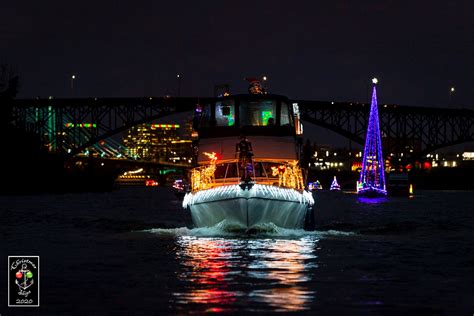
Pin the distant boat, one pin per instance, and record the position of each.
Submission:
(136, 178)
(180, 187)
(334, 185)
(398, 184)
(312, 186)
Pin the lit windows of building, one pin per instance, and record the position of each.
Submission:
(468, 155)
(158, 143)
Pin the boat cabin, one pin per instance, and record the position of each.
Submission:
(255, 130)
(247, 114)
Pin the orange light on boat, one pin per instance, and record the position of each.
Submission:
(212, 156)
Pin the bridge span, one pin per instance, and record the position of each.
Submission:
(424, 129)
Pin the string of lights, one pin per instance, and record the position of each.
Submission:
(372, 175)
(256, 191)
(289, 175)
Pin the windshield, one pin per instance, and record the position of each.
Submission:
(225, 113)
(285, 116)
(258, 113)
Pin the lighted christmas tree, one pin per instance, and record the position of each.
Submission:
(372, 175)
(334, 185)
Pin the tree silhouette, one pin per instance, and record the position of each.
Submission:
(9, 88)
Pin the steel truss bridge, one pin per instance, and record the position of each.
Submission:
(72, 125)
(421, 129)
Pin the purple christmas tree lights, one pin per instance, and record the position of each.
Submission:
(372, 175)
(334, 185)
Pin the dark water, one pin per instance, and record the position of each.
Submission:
(129, 252)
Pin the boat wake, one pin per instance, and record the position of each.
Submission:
(230, 229)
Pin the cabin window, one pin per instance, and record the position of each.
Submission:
(258, 113)
(225, 113)
(206, 116)
(284, 118)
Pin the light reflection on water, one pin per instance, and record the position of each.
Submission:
(217, 273)
(372, 200)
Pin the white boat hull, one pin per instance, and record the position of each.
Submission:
(259, 205)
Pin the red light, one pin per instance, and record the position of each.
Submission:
(151, 183)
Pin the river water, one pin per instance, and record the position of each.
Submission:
(132, 251)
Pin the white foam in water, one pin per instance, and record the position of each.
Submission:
(229, 229)
(336, 233)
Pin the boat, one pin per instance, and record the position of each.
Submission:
(151, 183)
(134, 178)
(247, 173)
(372, 176)
(334, 185)
(398, 184)
(313, 186)
(180, 187)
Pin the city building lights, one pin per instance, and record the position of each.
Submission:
(158, 142)
(468, 155)
(81, 125)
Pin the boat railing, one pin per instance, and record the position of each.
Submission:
(236, 180)
(287, 175)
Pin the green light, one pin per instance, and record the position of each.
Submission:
(86, 125)
(164, 126)
(51, 121)
(230, 118)
(265, 116)
(166, 171)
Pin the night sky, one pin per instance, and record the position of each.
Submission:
(308, 50)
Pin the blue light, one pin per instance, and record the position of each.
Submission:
(372, 175)
(373, 200)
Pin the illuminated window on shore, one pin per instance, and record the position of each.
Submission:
(468, 155)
